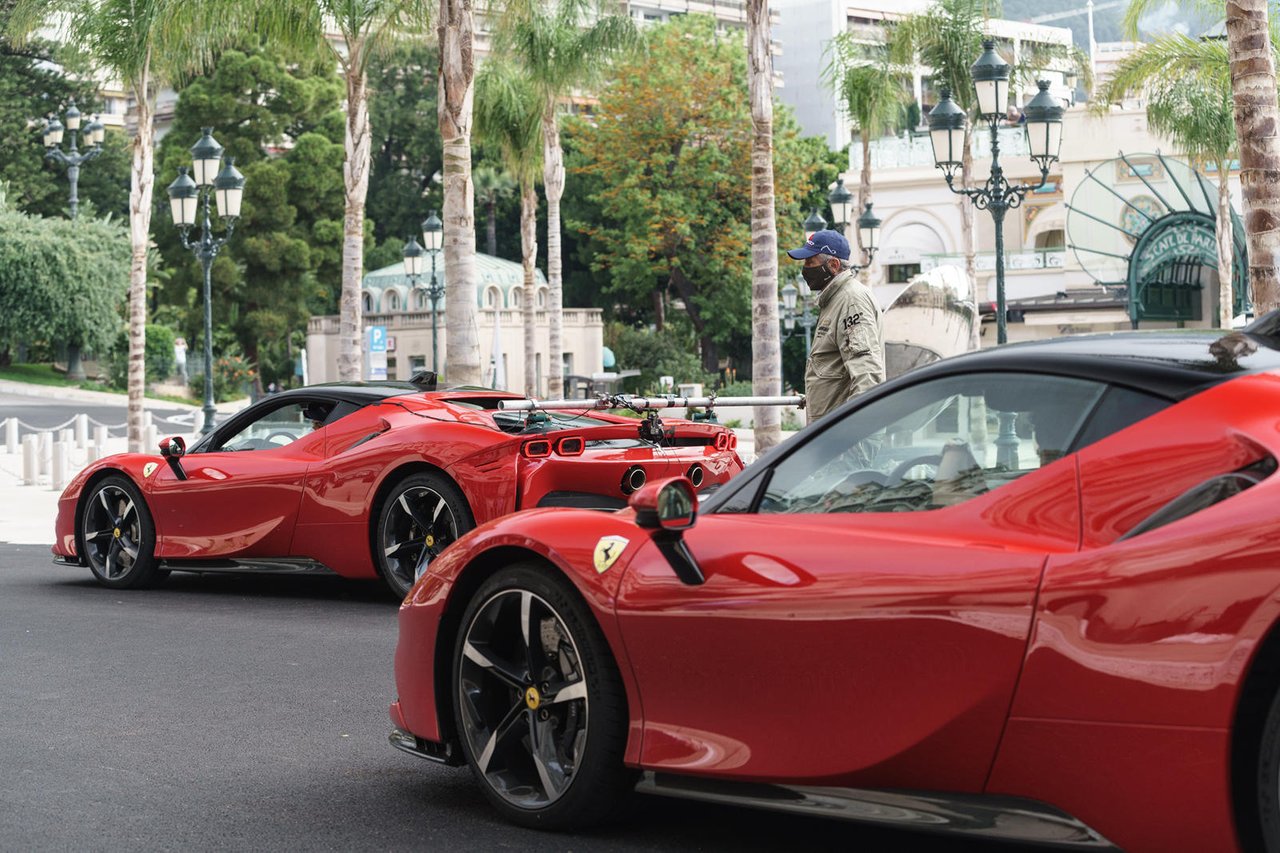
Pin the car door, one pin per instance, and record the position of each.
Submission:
(242, 493)
(866, 606)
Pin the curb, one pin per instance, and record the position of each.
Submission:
(106, 398)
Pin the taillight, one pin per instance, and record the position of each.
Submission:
(733, 441)
(571, 446)
(536, 449)
(722, 441)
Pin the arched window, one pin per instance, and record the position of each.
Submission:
(492, 298)
(421, 300)
(515, 296)
(1051, 238)
(542, 297)
(392, 300)
(366, 302)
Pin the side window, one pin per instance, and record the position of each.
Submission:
(1119, 408)
(934, 445)
(278, 427)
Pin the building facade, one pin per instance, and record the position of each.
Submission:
(405, 313)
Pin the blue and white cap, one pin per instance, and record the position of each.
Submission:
(823, 243)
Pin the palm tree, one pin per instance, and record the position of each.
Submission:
(457, 87)
(509, 114)
(872, 93)
(492, 186)
(562, 46)
(1251, 67)
(1188, 89)
(364, 28)
(766, 349)
(147, 44)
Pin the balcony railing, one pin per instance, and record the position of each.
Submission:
(1028, 259)
(916, 151)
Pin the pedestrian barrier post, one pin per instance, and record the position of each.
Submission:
(100, 437)
(46, 452)
(30, 459)
(11, 435)
(58, 477)
(82, 430)
(151, 440)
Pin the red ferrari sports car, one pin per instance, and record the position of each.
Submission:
(363, 480)
(1027, 593)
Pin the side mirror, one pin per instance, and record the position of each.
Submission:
(669, 507)
(173, 449)
(670, 504)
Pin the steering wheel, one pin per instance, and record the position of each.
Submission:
(288, 437)
(900, 472)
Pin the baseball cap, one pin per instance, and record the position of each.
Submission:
(823, 242)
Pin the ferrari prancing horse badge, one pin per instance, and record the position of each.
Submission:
(608, 550)
(149, 468)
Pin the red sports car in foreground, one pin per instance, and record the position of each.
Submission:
(363, 480)
(1028, 593)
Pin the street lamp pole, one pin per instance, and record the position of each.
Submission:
(185, 196)
(1044, 139)
(73, 159)
(433, 240)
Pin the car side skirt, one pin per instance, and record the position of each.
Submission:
(251, 565)
(972, 815)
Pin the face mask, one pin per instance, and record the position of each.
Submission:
(817, 277)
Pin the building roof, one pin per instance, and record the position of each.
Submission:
(490, 272)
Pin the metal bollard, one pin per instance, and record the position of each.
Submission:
(100, 437)
(11, 435)
(82, 431)
(30, 459)
(58, 474)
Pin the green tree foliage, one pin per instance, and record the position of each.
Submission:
(403, 83)
(61, 281)
(283, 124)
(670, 352)
(29, 90)
(666, 166)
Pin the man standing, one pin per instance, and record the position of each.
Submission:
(848, 352)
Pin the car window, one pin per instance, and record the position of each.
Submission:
(1119, 408)
(934, 445)
(278, 427)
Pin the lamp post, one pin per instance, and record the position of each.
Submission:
(433, 239)
(186, 195)
(74, 158)
(814, 224)
(790, 317)
(1044, 139)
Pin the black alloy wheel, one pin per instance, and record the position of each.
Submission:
(117, 535)
(539, 705)
(1267, 784)
(423, 515)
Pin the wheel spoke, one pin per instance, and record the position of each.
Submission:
(129, 547)
(436, 514)
(396, 550)
(106, 504)
(127, 511)
(413, 513)
(112, 553)
(569, 692)
(542, 750)
(500, 668)
(97, 534)
(499, 732)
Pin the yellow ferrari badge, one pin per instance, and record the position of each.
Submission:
(149, 468)
(608, 550)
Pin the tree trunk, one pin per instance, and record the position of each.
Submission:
(142, 181)
(864, 196)
(355, 174)
(1226, 254)
(491, 227)
(457, 88)
(970, 235)
(1257, 117)
(529, 259)
(659, 309)
(766, 349)
(553, 186)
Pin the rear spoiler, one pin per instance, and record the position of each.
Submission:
(646, 404)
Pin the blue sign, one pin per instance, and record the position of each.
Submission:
(377, 339)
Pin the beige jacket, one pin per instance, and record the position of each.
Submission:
(848, 351)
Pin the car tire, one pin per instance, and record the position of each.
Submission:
(422, 515)
(117, 535)
(545, 735)
(1268, 779)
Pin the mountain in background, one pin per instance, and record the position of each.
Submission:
(1106, 18)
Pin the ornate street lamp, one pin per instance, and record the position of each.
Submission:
(790, 316)
(814, 224)
(433, 240)
(188, 198)
(1044, 138)
(842, 205)
(73, 158)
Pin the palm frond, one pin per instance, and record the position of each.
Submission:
(1170, 57)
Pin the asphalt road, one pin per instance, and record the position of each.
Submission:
(47, 412)
(221, 712)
